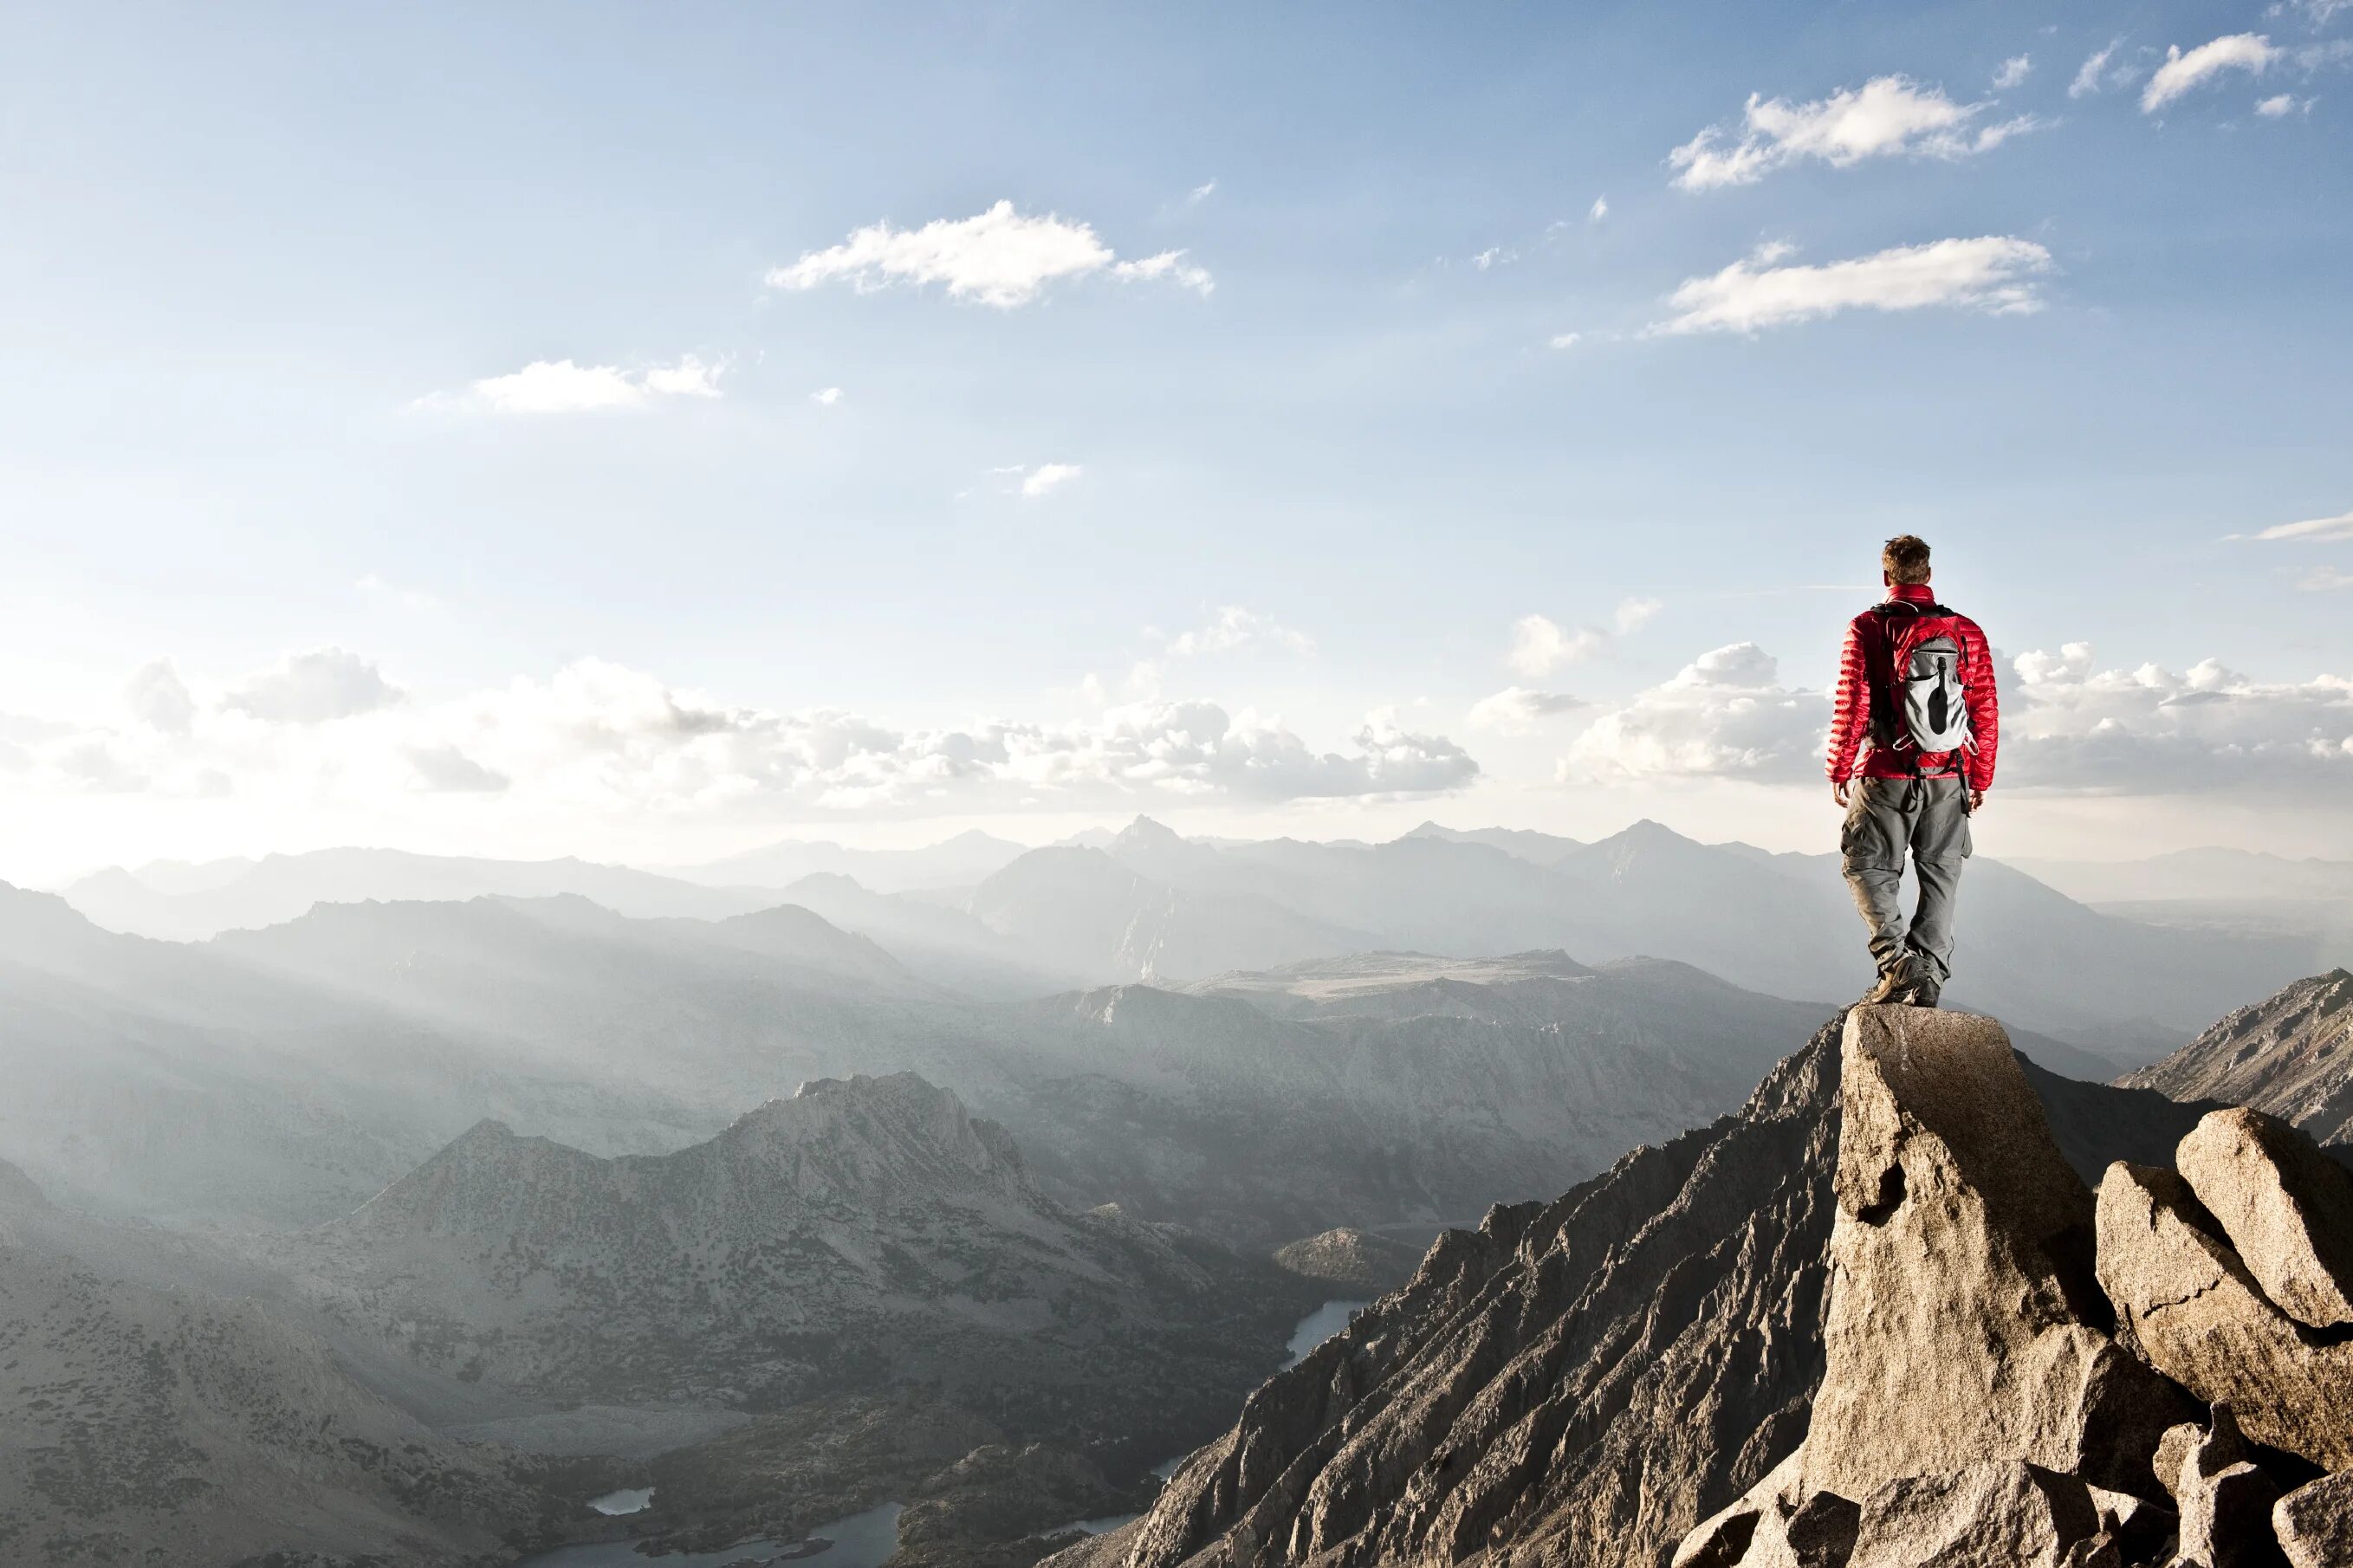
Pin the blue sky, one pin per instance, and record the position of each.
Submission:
(265, 273)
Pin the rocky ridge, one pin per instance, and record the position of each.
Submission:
(1720, 1353)
(2289, 1054)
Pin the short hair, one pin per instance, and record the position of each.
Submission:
(1905, 558)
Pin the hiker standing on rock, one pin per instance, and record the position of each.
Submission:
(1915, 683)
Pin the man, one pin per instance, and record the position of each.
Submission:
(1919, 712)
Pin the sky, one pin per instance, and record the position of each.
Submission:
(647, 432)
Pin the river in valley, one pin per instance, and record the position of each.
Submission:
(865, 1539)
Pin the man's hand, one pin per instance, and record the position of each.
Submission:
(1839, 791)
(1976, 800)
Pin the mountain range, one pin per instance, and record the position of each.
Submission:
(1145, 904)
(865, 1233)
(283, 1076)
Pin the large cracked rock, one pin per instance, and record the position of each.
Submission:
(1961, 1281)
(2002, 1512)
(2286, 1207)
(2201, 1319)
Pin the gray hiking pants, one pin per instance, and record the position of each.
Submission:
(1930, 818)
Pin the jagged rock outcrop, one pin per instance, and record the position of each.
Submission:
(1960, 1277)
(1972, 1396)
(2199, 1316)
(2286, 1207)
(2290, 1055)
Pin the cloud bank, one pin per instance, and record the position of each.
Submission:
(327, 726)
(2068, 726)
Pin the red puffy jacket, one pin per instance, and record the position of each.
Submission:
(1864, 668)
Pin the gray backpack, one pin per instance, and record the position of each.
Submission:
(1928, 711)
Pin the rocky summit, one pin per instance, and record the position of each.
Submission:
(1880, 1319)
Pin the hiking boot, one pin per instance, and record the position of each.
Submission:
(1894, 981)
(1921, 993)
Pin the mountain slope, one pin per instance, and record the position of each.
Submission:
(863, 1234)
(144, 1422)
(2291, 1055)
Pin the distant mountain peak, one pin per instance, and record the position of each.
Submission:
(1144, 830)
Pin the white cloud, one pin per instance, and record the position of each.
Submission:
(1516, 710)
(1724, 714)
(1232, 629)
(1235, 627)
(2325, 580)
(1889, 116)
(1600, 210)
(560, 387)
(1202, 192)
(1633, 615)
(446, 769)
(1492, 256)
(2093, 74)
(1171, 265)
(1567, 340)
(1048, 477)
(690, 377)
(2334, 530)
(2250, 52)
(313, 688)
(2070, 725)
(157, 698)
(2277, 106)
(1994, 274)
(828, 395)
(2013, 71)
(996, 258)
(1540, 646)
